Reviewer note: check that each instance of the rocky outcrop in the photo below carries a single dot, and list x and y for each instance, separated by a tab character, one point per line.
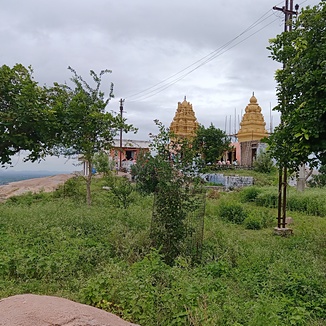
40	310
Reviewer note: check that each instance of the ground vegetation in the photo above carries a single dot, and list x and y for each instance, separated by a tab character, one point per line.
102	255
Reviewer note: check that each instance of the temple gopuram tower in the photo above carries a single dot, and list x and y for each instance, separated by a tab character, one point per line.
252	130
184	123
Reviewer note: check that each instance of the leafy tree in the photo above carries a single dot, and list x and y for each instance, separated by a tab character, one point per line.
102	163
301	90
25	120
171	175
86	128
211	142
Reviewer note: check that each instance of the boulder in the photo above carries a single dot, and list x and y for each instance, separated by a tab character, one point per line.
41	310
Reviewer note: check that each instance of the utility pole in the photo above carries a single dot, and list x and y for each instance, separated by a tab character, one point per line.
282	180
120	156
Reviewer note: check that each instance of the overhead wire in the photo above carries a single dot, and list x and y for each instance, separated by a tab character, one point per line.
162	88
208	55
155	89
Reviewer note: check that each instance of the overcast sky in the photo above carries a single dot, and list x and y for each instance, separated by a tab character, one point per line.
213	52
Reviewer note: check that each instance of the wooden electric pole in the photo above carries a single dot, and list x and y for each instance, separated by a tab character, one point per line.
282	180
120	156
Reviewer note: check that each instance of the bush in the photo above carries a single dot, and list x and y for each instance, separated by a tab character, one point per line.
264	163
122	190
232	212
249	194
213	194
259	219
253	222
73	188
267	199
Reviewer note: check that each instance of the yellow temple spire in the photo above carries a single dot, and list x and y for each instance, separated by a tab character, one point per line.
252	126
184	123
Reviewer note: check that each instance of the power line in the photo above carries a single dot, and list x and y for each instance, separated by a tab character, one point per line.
210	58
155	89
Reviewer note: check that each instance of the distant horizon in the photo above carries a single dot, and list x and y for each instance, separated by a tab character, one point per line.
51	163
7	171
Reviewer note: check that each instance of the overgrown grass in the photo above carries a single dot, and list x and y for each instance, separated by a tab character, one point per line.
312	201
54	244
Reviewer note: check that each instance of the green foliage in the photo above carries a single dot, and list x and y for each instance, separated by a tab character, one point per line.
264	163
26	122
122	190
145	172
311	201
232	212
268	198
253	223
318	180
249	194
101	255
86	127
301	90
211	143
73	188
170	175
259	219
102	164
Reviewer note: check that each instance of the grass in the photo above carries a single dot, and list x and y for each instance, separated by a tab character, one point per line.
101	255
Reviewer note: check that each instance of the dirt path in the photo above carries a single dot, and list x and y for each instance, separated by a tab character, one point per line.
46	184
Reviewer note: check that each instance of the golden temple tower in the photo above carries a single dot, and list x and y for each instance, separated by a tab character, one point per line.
184	123
252	126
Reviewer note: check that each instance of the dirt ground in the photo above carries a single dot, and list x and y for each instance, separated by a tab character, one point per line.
46	184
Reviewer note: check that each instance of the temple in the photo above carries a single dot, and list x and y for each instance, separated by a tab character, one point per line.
184	124
252	126
252	130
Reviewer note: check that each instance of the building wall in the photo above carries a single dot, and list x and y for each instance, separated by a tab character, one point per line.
250	150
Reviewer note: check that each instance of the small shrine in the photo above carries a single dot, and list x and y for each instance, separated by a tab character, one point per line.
252	130
252	126
184	123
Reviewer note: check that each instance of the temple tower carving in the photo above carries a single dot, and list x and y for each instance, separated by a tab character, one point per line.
252	130
184	123
252	126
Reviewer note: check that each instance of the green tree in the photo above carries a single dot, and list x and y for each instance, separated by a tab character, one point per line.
25	120
170	174
102	163
211	142
301	90
86	128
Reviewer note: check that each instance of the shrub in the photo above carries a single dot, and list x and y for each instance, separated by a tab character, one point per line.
232	212
122	190
263	163
213	194
259	218
73	188
311	202
267	199
253	222
249	194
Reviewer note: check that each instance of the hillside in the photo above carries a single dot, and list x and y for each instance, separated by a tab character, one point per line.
53	244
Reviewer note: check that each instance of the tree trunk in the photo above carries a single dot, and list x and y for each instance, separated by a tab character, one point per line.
88	184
